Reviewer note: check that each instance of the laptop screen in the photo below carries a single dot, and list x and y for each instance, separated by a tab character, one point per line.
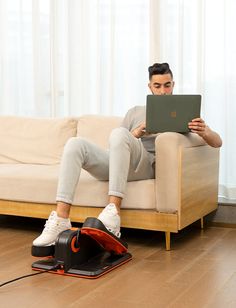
171	113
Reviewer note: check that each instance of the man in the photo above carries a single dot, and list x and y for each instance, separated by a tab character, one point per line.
131	156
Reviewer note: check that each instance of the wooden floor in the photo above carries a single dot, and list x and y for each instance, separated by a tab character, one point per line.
199	271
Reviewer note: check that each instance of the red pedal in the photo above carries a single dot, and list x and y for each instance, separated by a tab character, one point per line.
94	228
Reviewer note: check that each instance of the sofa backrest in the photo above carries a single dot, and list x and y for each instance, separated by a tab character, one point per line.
97	128
34	140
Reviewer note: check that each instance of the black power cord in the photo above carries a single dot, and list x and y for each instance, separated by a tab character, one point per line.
25	276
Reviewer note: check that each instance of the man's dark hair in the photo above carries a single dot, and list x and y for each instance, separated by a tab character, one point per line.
159	69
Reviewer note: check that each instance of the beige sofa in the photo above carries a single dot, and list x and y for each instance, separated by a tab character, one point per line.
185	188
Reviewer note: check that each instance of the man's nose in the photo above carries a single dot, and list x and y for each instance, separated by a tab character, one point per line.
162	90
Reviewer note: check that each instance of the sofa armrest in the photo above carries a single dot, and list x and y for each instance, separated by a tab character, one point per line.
183	162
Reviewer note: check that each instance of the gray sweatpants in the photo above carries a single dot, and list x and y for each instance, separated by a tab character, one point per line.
126	160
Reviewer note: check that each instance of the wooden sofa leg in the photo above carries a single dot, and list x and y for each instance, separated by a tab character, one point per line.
167	233
202	223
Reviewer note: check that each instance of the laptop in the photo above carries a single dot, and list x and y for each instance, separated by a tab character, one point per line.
171	113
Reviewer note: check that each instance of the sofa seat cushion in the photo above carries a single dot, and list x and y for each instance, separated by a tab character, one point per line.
38	183
28	182
34	140
91	192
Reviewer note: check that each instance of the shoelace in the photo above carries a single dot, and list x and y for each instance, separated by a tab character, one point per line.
117	234
51	225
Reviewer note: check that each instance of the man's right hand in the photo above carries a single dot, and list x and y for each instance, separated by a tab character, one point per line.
139	131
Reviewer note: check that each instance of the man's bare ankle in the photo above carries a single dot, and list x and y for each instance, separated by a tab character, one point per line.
63	210
117	201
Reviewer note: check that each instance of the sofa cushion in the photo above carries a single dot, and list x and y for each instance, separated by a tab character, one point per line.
97	128
28	182
34	140
38	183
139	194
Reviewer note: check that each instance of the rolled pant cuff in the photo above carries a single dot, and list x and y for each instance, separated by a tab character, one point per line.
116	194
63	199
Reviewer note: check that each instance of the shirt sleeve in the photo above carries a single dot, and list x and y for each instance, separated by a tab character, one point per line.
127	121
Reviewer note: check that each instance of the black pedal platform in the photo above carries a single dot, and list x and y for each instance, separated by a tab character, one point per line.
77	254
96	229
43	251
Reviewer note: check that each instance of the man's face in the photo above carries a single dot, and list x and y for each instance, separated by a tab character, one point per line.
161	84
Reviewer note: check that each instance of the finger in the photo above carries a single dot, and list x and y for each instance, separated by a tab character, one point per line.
197	129
198	120
142	126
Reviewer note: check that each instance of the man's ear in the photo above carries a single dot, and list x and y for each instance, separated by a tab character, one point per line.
149	85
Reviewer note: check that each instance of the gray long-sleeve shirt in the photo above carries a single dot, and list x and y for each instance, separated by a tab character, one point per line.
133	118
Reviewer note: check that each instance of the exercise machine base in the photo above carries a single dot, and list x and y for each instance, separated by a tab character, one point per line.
80	254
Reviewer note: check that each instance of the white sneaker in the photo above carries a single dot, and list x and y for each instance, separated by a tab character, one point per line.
53	227
111	219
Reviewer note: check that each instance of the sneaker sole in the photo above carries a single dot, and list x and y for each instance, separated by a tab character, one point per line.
94	228
43	251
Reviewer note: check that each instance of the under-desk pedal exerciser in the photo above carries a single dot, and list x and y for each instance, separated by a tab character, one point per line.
89	252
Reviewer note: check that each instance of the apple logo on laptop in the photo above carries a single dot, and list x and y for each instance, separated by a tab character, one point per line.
173	114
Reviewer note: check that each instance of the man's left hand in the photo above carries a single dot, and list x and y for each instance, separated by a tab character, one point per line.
198	126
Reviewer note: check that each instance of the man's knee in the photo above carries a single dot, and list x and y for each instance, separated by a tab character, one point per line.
74	146
119	136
